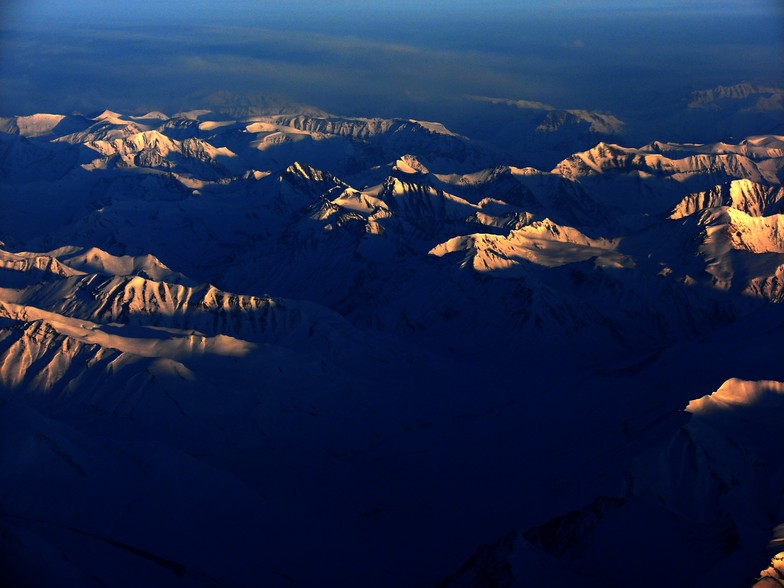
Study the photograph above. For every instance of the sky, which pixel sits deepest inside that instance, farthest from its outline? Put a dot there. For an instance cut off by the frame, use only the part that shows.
(382, 58)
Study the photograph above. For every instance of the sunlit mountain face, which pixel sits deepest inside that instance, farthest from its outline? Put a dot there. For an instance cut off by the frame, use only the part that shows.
(391, 294)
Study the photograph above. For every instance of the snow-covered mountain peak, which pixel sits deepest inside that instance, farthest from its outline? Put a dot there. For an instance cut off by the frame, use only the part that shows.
(95, 260)
(154, 149)
(151, 116)
(433, 127)
(35, 125)
(543, 243)
(26, 262)
(737, 393)
(300, 184)
(409, 164)
(594, 160)
(744, 195)
(110, 116)
(305, 172)
(135, 143)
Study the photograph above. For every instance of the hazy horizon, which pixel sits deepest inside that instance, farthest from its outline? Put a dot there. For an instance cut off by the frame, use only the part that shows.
(386, 59)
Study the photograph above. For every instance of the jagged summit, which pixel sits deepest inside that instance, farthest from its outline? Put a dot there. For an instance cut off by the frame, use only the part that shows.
(409, 164)
(744, 195)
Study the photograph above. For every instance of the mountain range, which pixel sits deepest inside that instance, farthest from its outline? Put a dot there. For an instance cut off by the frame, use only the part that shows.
(264, 345)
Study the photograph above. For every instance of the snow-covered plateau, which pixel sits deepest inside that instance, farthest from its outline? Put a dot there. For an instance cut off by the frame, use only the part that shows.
(249, 348)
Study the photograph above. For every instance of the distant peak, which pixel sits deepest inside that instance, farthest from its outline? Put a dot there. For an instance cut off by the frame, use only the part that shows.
(154, 115)
(108, 115)
(255, 104)
(522, 104)
(433, 127)
(192, 114)
(764, 98)
(596, 122)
